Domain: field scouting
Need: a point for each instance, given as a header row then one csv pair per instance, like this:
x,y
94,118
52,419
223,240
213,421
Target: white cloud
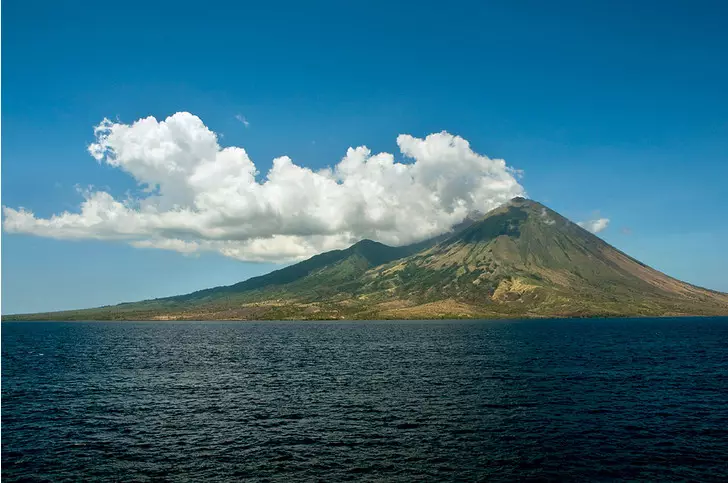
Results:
x,y
546,218
180,246
203,197
242,119
594,226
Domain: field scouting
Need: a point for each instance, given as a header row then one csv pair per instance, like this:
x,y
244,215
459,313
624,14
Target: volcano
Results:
x,y
521,260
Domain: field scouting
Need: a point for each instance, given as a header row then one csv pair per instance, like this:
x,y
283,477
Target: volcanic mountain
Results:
x,y
519,260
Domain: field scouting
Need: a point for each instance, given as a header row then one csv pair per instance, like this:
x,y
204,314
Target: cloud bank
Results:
x,y
594,226
203,197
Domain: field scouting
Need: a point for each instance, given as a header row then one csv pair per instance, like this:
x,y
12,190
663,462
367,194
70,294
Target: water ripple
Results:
x,y
353,401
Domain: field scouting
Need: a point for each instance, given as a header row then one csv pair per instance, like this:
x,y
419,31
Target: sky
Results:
x,y
156,148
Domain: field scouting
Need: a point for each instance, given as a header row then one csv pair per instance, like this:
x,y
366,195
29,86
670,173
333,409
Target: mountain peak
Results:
x,y
365,243
521,202
506,220
521,259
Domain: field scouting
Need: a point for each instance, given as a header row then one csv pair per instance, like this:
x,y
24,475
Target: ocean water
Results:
x,y
580,400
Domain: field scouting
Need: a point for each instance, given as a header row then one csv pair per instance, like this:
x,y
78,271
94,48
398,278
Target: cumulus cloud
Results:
x,y
594,226
199,196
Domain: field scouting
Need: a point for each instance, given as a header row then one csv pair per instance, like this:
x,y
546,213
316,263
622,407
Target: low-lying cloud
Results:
x,y
201,197
594,226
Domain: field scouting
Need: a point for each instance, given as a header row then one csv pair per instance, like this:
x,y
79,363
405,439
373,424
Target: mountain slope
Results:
x,y
520,260
524,259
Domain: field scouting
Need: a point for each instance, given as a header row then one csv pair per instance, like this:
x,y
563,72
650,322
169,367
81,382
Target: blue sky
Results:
x,y
611,109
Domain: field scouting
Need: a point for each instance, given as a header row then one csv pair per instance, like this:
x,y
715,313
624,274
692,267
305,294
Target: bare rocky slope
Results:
x,y
520,260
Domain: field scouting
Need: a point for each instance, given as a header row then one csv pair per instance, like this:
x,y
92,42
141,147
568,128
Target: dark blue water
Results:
x,y
396,401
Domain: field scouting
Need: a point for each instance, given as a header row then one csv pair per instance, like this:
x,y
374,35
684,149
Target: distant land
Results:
x,y
521,260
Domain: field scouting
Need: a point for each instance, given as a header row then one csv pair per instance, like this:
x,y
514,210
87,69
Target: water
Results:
x,y
397,401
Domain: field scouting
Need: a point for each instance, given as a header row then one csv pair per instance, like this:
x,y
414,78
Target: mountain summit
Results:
x,y
519,260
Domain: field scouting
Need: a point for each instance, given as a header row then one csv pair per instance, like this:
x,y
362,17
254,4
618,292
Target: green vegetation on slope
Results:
x,y
520,260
